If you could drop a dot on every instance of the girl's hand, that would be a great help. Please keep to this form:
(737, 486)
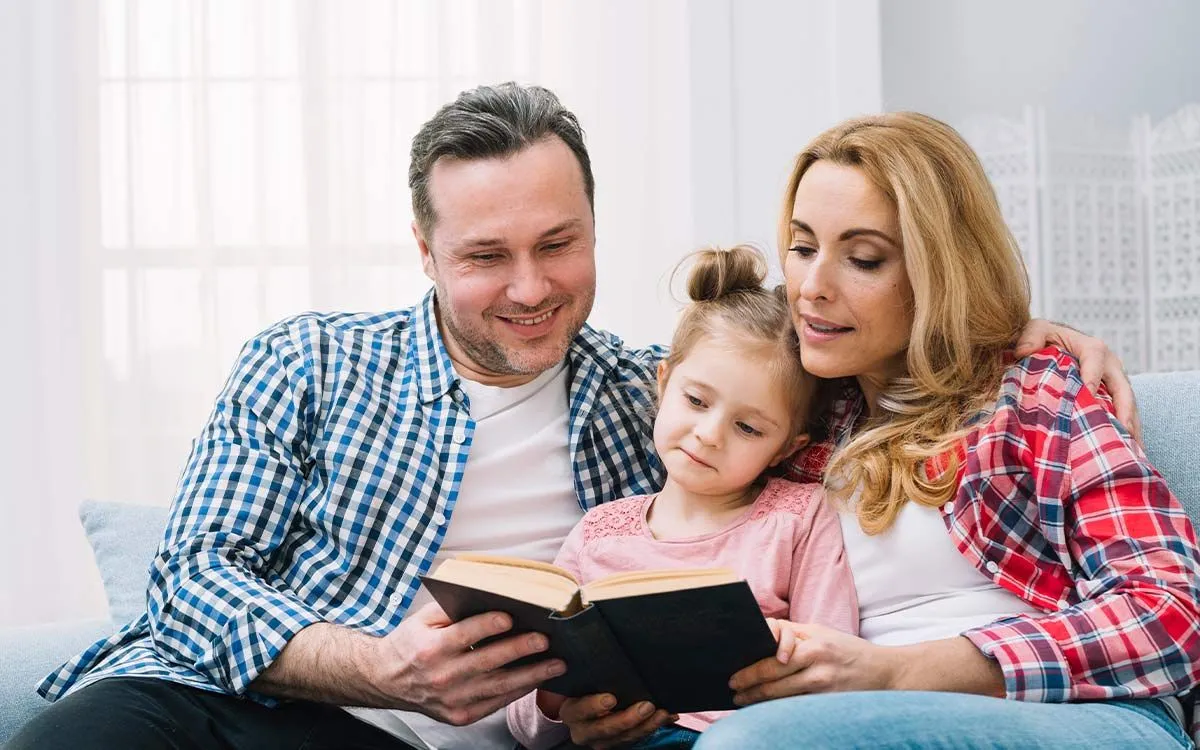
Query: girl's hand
(593, 723)
(549, 703)
(786, 634)
(818, 660)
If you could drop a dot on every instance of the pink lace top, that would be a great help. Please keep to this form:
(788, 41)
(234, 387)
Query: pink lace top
(787, 545)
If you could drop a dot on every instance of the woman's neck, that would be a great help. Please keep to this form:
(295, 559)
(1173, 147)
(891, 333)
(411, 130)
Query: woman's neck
(678, 513)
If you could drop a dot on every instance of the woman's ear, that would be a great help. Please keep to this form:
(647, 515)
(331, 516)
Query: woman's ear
(790, 447)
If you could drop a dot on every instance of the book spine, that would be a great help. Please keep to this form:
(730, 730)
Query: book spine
(595, 661)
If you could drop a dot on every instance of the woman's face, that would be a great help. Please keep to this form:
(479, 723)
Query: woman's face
(848, 290)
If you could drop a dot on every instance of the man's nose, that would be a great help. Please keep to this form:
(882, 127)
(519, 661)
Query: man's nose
(529, 285)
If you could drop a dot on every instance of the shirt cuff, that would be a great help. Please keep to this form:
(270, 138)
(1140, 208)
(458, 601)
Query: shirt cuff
(1034, 666)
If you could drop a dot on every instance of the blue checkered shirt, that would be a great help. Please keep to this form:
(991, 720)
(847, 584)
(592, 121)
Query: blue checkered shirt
(323, 484)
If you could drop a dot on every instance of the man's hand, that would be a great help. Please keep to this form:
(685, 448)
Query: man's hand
(593, 723)
(427, 664)
(431, 665)
(1097, 364)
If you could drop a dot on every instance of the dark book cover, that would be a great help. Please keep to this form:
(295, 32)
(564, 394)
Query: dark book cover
(595, 663)
(677, 649)
(686, 644)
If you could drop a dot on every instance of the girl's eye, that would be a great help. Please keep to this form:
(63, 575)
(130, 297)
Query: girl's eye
(693, 400)
(866, 265)
(802, 250)
(747, 429)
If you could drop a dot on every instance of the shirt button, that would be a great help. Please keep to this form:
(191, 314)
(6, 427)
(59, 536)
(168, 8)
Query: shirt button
(948, 507)
(396, 600)
(1064, 603)
(992, 567)
(460, 435)
(439, 519)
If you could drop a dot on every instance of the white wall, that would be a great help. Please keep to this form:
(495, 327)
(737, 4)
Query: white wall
(769, 75)
(1110, 59)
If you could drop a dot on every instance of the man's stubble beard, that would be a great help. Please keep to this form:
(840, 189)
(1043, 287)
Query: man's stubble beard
(487, 353)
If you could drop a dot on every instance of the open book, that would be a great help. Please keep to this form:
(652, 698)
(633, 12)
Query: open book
(673, 637)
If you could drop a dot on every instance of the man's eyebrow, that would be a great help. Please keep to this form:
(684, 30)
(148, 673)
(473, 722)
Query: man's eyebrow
(476, 242)
(848, 234)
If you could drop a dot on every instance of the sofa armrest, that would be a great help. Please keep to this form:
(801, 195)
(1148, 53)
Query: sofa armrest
(27, 655)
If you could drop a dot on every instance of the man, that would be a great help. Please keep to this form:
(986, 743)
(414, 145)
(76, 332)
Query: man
(347, 454)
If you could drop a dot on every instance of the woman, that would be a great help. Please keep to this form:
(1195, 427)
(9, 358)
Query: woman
(1018, 562)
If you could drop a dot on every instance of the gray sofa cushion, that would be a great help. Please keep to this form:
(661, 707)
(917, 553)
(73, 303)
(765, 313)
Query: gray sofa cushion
(1169, 403)
(27, 655)
(124, 539)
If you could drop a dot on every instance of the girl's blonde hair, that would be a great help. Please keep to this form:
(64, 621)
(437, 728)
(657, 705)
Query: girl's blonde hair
(729, 302)
(970, 298)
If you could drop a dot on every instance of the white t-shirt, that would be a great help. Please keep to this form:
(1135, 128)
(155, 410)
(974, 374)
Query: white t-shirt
(517, 497)
(914, 585)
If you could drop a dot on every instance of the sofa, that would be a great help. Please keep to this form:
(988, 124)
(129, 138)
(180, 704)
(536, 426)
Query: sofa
(124, 537)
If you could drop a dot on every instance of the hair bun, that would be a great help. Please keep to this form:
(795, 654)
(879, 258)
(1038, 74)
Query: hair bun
(716, 273)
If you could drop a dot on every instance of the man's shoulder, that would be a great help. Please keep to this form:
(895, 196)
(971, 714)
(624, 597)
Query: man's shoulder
(318, 335)
(626, 363)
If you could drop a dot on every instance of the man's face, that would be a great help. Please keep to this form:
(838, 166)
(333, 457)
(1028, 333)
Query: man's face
(512, 256)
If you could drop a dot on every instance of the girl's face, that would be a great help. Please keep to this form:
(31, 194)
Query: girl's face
(722, 419)
(848, 289)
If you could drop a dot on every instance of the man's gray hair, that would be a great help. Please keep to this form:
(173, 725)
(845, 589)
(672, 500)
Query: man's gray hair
(490, 122)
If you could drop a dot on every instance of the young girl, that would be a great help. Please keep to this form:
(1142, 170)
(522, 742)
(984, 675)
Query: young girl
(733, 400)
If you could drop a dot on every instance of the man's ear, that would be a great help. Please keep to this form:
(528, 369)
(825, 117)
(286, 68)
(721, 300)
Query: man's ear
(790, 447)
(663, 373)
(427, 264)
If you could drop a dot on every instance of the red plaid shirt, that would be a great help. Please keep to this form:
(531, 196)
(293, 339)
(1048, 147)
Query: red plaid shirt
(1059, 506)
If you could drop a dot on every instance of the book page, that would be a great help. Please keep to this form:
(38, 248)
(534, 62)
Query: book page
(525, 580)
(656, 581)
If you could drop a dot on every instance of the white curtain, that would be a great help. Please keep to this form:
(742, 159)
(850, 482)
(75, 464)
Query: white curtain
(189, 171)
(179, 174)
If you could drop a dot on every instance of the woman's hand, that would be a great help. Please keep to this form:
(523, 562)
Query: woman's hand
(824, 660)
(593, 723)
(815, 659)
(1097, 364)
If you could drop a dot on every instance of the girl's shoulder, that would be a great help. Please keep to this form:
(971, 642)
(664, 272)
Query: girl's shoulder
(624, 517)
(786, 496)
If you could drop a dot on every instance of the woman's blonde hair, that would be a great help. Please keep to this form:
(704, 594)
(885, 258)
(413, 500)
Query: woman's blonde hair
(970, 298)
(729, 302)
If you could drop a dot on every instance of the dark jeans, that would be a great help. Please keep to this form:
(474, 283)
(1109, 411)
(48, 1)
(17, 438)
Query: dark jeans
(135, 713)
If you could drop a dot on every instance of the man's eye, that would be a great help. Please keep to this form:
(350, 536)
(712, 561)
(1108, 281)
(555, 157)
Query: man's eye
(555, 246)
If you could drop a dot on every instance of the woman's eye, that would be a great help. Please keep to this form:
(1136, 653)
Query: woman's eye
(866, 265)
(803, 251)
